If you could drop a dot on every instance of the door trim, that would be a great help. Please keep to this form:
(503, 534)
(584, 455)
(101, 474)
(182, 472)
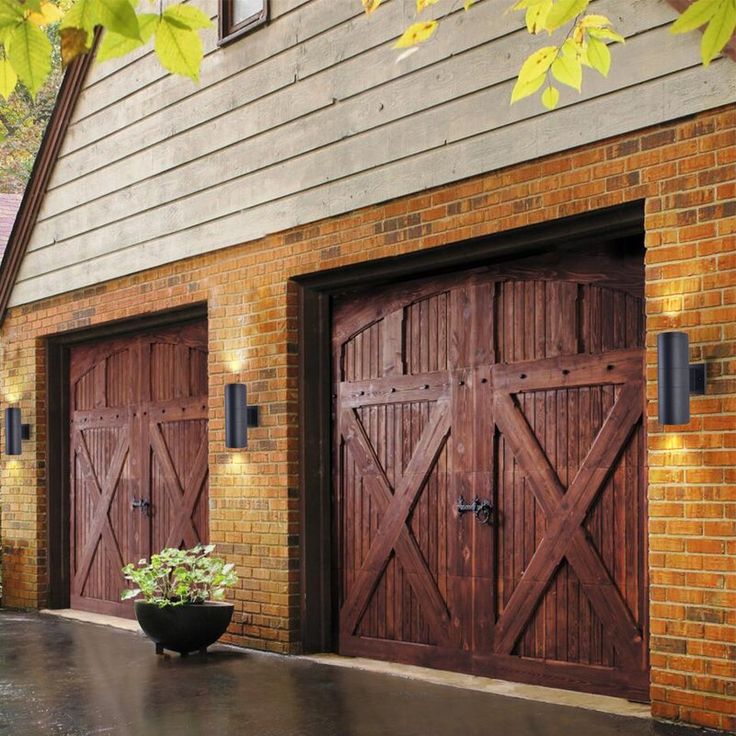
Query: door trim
(314, 293)
(57, 423)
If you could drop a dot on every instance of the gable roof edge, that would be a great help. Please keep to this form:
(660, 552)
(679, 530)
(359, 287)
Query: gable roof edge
(53, 137)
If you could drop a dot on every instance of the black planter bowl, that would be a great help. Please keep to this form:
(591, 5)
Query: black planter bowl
(188, 628)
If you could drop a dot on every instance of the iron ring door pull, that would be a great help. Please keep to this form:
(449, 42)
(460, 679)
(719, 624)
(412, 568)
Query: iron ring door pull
(141, 503)
(482, 510)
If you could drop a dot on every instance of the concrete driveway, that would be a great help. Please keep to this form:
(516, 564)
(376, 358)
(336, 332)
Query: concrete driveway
(76, 679)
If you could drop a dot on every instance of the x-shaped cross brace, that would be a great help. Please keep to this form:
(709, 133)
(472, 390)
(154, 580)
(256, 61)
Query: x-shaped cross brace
(565, 513)
(101, 527)
(183, 499)
(393, 532)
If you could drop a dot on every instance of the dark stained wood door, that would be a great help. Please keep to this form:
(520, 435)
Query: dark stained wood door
(138, 432)
(521, 385)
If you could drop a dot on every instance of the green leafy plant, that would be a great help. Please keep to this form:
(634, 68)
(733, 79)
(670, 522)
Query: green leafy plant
(174, 577)
(26, 53)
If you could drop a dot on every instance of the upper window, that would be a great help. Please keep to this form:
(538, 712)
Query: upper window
(240, 16)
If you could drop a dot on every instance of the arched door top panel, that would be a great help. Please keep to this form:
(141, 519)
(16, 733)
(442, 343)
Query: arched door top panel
(518, 387)
(138, 456)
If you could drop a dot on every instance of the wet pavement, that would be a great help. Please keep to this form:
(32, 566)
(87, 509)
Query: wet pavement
(68, 678)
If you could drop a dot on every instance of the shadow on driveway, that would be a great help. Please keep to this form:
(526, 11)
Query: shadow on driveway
(74, 679)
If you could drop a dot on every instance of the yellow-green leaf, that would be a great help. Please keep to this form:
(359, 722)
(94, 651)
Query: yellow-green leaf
(8, 78)
(697, 15)
(29, 51)
(81, 15)
(117, 16)
(606, 34)
(573, 49)
(422, 4)
(536, 16)
(524, 4)
(550, 97)
(371, 5)
(188, 15)
(48, 14)
(719, 31)
(73, 44)
(179, 49)
(148, 22)
(416, 33)
(526, 87)
(468, 4)
(595, 21)
(11, 13)
(563, 11)
(113, 45)
(568, 71)
(599, 56)
(537, 63)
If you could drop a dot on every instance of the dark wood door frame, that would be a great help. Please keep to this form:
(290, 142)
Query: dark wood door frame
(57, 419)
(315, 290)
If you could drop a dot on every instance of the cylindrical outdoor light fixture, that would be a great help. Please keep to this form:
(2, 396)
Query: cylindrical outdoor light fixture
(236, 416)
(13, 431)
(676, 378)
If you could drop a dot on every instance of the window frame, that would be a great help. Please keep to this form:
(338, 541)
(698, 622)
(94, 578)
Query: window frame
(229, 32)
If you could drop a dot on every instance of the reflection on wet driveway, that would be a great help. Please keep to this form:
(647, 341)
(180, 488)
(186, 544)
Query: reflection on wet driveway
(68, 678)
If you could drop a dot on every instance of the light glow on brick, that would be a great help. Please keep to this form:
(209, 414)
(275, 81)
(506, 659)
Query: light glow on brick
(236, 360)
(672, 306)
(236, 460)
(672, 441)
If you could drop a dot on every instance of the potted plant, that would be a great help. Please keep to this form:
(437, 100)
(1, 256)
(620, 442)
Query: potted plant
(181, 606)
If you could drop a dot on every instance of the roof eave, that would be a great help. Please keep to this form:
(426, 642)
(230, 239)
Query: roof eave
(20, 235)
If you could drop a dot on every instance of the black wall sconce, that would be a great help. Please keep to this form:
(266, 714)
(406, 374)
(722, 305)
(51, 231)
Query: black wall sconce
(15, 431)
(238, 416)
(677, 378)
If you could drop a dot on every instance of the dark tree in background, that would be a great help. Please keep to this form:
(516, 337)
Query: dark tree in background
(22, 124)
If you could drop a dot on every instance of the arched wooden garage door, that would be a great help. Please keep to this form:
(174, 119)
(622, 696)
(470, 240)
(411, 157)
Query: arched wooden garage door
(524, 389)
(138, 456)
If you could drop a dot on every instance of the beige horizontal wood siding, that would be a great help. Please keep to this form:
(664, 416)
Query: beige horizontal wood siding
(310, 116)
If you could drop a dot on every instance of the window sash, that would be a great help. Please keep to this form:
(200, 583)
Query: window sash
(230, 30)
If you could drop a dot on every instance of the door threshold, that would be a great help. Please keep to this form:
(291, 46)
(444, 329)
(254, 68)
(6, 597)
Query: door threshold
(88, 617)
(537, 693)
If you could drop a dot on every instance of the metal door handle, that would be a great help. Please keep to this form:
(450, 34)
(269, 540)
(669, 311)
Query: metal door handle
(141, 503)
(482, 510)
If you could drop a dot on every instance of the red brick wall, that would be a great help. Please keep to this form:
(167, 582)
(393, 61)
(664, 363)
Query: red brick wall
(685, 171)
(691, 285)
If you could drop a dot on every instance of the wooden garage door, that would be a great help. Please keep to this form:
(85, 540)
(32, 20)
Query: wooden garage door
(138, 444)
(522, 387)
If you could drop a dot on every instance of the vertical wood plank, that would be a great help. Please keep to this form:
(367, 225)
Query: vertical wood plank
(143, 455)
(483, 549)
(489, 321)
(110, 393)
(460, 538)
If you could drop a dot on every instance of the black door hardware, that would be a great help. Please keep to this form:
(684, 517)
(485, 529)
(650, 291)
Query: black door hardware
(483, 510)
